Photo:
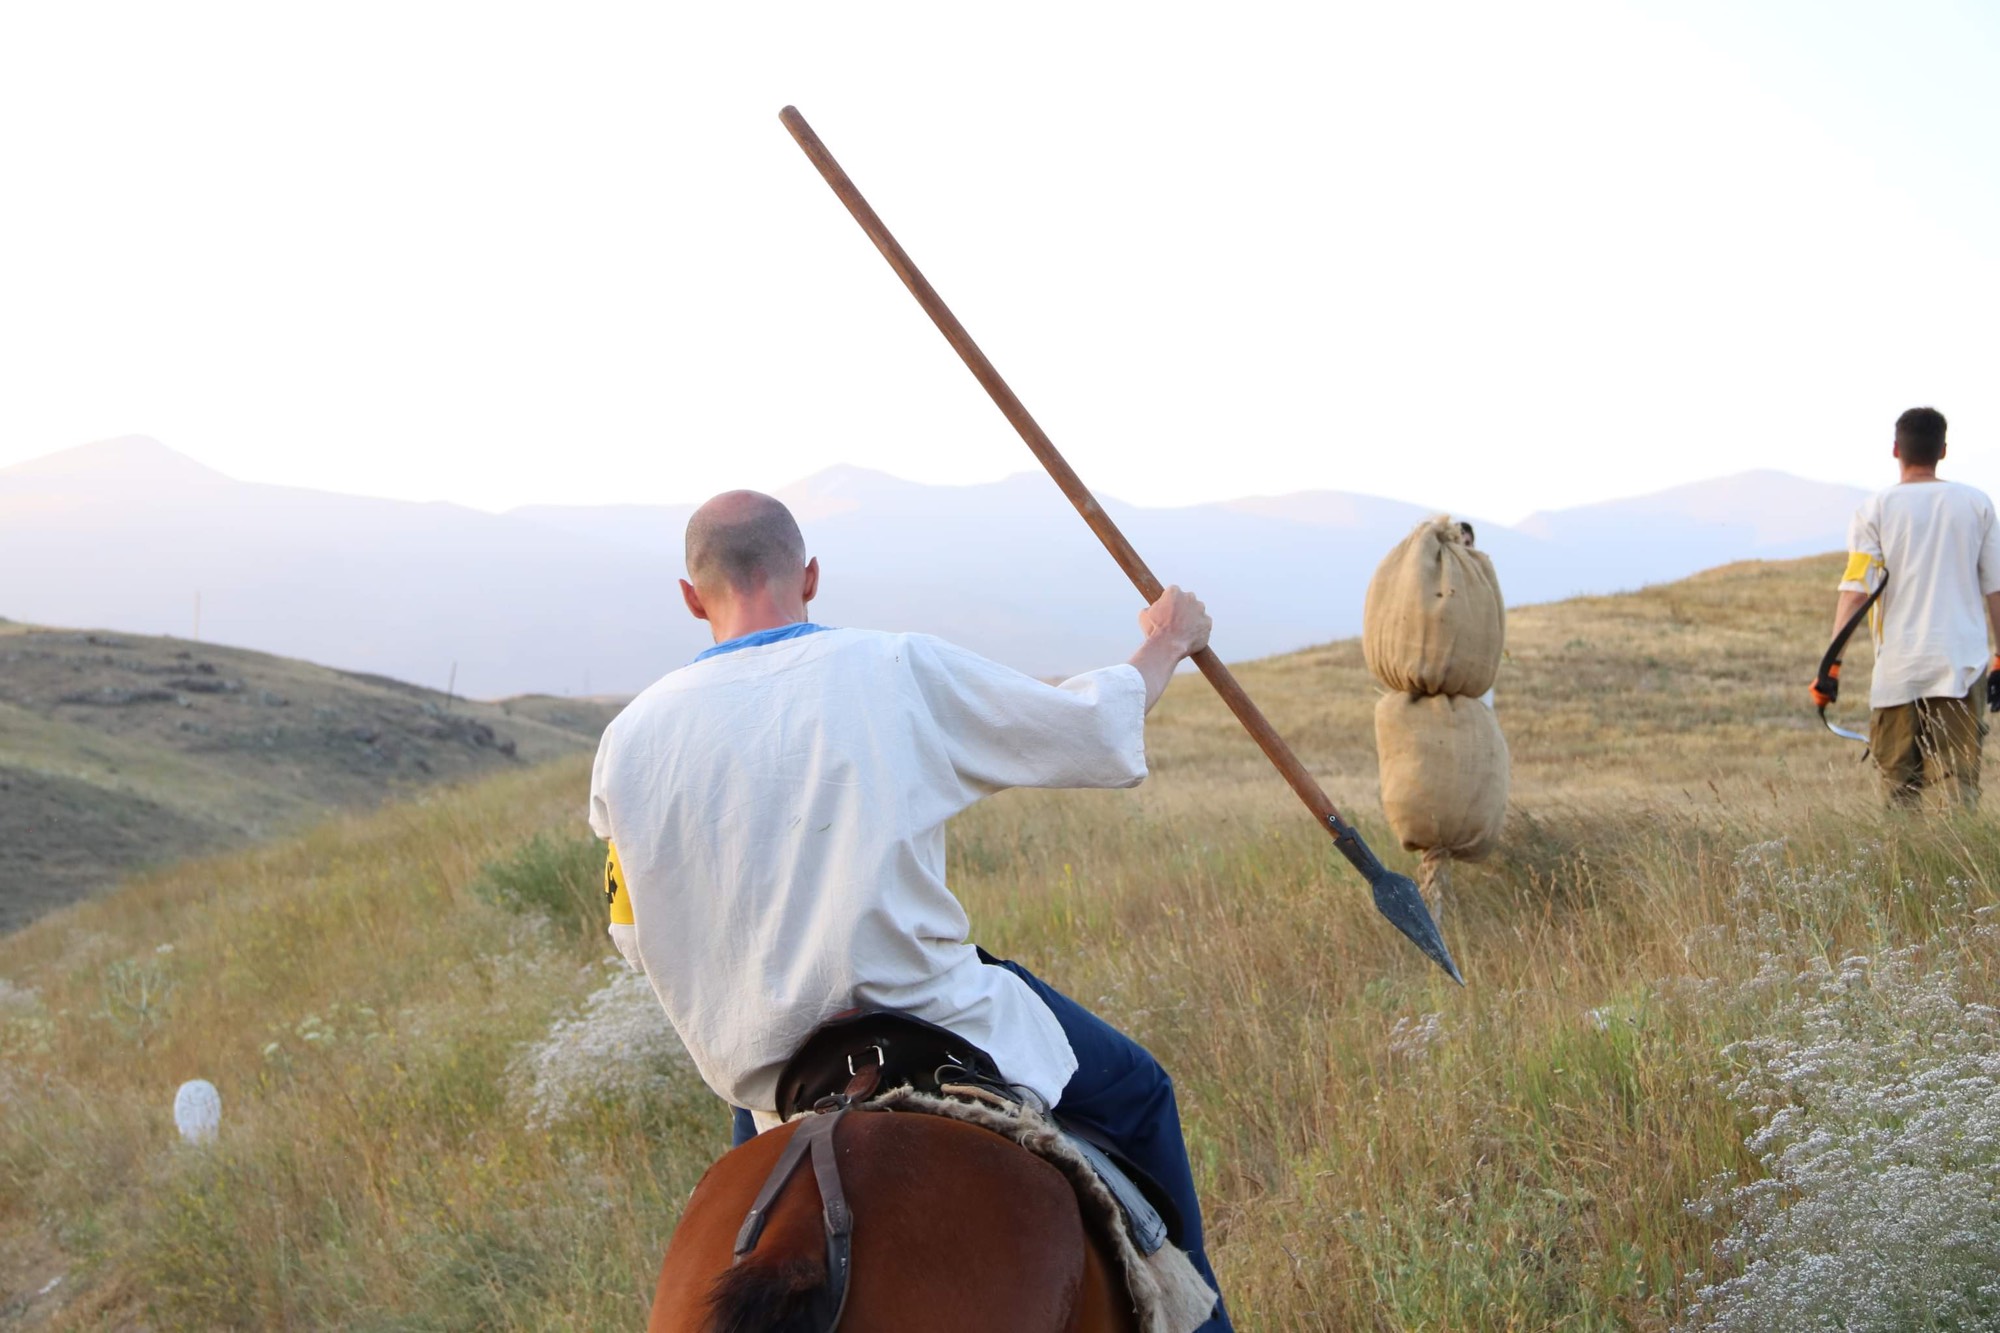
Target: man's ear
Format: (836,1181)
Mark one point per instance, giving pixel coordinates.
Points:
(693,600)
(811,588)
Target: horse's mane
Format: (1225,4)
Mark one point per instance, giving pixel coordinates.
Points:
(783,1297)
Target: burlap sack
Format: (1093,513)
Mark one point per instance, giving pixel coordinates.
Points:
(1444,772)
(1433,622)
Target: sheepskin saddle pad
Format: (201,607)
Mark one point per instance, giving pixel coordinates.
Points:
(1168,1294)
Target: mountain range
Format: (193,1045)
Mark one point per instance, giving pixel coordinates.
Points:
(127,534)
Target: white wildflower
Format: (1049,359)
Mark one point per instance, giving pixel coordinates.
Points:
(1770,853)
(1878,1102)
(1602,1017)
(620,1046)
(1413,1040)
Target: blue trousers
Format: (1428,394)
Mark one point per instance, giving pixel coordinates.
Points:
(1120,1092)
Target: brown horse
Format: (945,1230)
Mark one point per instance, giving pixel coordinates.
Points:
(955,1227)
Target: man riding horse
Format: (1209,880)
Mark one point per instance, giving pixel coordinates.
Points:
(776,811)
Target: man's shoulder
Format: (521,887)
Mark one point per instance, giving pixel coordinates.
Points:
(631,714)
(891,644)
(915,654)
(1874,505)
(1932,498)
(912,654)
(871,644)
(1952,503)
(1969,496)
(837,659)
(729,670)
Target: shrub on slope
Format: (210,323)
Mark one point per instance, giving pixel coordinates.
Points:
(556,873)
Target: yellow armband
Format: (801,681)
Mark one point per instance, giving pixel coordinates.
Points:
(1860,565)
(617,901)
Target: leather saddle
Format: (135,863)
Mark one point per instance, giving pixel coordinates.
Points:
(905,1051)
(908,1051)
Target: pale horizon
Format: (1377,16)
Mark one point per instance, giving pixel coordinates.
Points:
(131,535)
(1031,473)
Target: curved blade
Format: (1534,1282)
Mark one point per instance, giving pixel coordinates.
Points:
(1840,731)
(1829,663)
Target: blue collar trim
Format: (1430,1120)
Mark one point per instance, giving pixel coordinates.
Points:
(758,638)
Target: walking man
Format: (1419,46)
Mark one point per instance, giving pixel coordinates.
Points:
(777,811)
(1937,544)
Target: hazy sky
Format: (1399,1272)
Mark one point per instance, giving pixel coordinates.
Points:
(1495,257)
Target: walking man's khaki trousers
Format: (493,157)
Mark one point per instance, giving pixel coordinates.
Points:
(1930,745)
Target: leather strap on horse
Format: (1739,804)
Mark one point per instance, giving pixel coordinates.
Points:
(815,1136)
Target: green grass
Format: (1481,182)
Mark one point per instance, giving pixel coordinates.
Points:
(558,875)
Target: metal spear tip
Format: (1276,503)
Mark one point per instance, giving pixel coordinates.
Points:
(1397,897)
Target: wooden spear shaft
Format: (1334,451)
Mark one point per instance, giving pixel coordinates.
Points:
(1037,440)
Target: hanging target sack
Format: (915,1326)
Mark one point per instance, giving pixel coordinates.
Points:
(1433,621)
(1444,772)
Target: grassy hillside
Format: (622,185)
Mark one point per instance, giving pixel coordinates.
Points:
(119,750)
(1725,1025)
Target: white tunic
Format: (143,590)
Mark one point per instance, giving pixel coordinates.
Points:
(1941,545)
(779,816)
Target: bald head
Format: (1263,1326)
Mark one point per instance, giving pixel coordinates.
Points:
(742,539)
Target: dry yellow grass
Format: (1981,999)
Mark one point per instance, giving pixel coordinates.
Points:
(1379,1149)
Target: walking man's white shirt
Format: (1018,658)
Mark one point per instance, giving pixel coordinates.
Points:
(779,813)
(1941,546)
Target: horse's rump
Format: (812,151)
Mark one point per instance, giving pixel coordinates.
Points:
(954,1227)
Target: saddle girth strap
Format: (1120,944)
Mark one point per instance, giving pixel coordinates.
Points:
(815,1136)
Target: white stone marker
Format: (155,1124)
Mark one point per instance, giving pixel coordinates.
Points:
(198,1111)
